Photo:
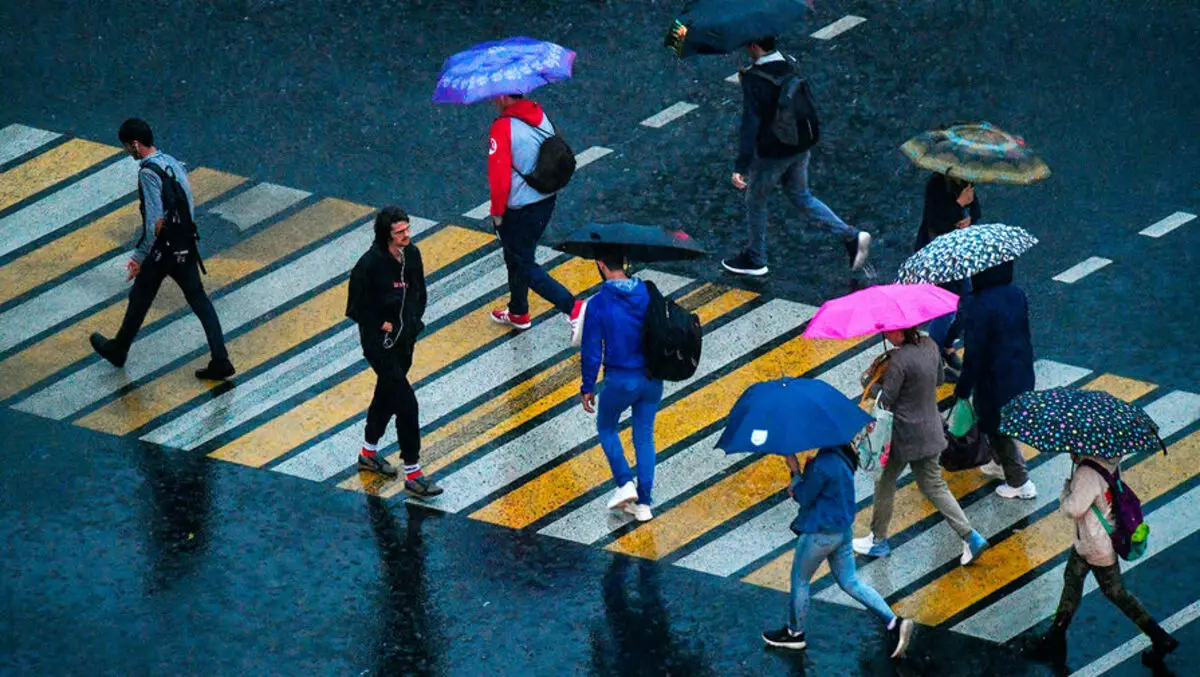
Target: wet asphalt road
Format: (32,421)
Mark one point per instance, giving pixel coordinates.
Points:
(120,560)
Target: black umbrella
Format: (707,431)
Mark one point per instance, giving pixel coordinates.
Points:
(639,243)
(722,26)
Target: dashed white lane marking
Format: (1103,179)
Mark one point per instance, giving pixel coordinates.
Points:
(665,117)
(1129,649)
(590,155)
(736,78)
(1081,270)
(582,159)
(838,27)
(1167,225)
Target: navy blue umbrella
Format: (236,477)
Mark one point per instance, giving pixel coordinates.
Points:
(722,26)
(640,243)
(789,416)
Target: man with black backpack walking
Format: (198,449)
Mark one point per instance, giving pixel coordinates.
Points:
(528,163)
(165,247)
(614,335)
(779,126)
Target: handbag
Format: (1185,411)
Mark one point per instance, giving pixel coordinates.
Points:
(964,452)
(873,441)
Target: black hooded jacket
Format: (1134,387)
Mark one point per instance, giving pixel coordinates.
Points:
(386,289)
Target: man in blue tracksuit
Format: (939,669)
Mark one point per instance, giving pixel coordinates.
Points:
(612,335)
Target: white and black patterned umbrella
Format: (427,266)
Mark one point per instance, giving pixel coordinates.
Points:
(964,252)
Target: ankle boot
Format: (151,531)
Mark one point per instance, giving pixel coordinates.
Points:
(1052,646)
(1161,644)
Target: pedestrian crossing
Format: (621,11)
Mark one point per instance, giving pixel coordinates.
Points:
(502,427)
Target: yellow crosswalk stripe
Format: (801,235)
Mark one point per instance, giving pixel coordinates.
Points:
(47,169)
(1118,386)
(1040,542)
(350,397)
(910,506)
(274,337)
(59,350)
(102,236)
(566,482)
(527,400)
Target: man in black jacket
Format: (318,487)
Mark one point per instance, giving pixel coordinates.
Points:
(387,300)
(763,161)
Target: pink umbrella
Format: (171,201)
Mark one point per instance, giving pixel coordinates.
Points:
(880,308)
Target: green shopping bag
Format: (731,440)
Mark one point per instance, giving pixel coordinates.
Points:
(962,418)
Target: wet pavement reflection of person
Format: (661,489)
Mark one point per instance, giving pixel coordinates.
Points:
(406,644)
(178,487)
(638,639)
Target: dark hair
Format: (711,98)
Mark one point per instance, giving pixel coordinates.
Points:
(388,217)
(610,256)
(136,129)
(766,44)
(912,335)
(996,276)
(848,451)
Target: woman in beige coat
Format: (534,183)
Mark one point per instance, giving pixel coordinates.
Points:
(908,389)
(1094,552)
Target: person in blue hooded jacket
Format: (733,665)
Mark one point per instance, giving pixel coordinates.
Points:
(612,336)
(825,492)
(998,366)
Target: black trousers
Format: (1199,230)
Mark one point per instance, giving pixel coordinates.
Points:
(1109,580)
(156,268)
(393,396)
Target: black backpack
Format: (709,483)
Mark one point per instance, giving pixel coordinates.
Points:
(555,163)
(671,338)
(796,121)
(179,235)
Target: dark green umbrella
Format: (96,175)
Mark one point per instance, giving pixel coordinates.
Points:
(1084,422)
(639,243)
(722,26)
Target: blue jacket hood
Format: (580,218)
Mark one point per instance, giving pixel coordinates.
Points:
(612,330)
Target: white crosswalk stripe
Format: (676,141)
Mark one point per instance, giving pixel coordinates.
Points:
(17,140)
(258,204)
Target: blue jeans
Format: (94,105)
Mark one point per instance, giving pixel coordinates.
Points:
(792,174)
(623,390)
(519,234)
(811,550)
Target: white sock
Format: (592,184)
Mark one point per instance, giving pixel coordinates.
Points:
(370,447)
(892,623)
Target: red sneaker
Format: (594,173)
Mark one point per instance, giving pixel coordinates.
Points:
(502,316)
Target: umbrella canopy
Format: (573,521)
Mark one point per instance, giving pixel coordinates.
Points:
(1087,422)
(512,66)
(640,243)
(979,153)
(722,26)
(880,308)
(791,415)
(962,253)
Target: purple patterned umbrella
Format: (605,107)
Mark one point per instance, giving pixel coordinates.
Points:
(512,66)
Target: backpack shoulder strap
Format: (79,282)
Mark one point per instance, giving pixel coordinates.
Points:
(777,81)
(541,132)
(1108,477)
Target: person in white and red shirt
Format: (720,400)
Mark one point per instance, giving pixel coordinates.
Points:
(520,214)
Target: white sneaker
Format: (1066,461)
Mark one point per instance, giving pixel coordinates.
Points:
(623,496)
(640,511)
(1026,491)
(992,469)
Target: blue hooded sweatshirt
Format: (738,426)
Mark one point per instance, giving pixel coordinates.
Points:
(612,330)
(825,492)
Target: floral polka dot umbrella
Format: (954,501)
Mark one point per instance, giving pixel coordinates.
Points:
(1085,422)
(962,253)
(512,66)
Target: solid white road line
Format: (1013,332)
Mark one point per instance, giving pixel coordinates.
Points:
(664,117)
(258,204)
(838,27)
(1167,225)
(17,140)
(1081,270)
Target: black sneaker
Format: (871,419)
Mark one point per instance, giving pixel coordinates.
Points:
(422,486)
(1161,645)
(376,464)
(900,636)
(859,249)
(742,264)
(784,638)
(104,348)
(952,360)
(216,371)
